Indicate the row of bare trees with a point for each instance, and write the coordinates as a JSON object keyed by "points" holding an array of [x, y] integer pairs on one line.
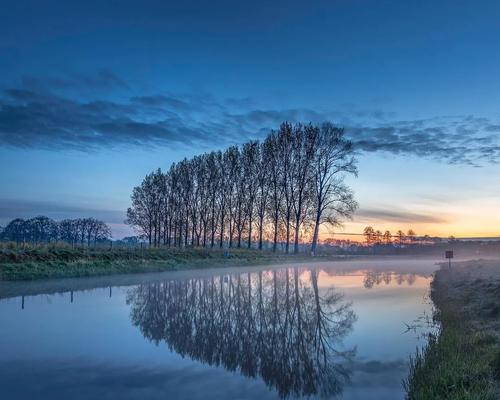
{"points": [[41, 229], [280, 190]]}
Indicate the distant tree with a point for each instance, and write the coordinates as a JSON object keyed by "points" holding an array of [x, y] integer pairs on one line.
{"points": [[411, 236], [43, 230], [131, 240], [378, 237], [387, 237], [101, 232], [16, 231], [401, 237], [369, 234], [67, 231]]}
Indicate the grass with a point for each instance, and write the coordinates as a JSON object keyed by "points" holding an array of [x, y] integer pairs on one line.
{"points": [[64, 262], [461, 363]]}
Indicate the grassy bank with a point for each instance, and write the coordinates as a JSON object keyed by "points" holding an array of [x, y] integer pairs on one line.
{"points": [[67, 262], [463, 361]]}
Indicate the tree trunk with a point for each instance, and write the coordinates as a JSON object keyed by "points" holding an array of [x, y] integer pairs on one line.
{"points": [[249, 245], [221, 240], [296, 241], [316, 232], [287, 243], [275, 242]]}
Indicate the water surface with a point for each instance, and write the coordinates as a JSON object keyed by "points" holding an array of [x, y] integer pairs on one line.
{"points": [[330, 330]]}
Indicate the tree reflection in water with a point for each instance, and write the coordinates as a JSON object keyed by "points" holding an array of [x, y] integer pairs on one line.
{"points": [[373, 278], [273, 324]]}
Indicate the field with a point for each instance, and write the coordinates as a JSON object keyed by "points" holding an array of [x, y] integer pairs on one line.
{"points": [[463, 360], [59, 261]]}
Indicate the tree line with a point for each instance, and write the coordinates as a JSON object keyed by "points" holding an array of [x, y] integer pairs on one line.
{"points": [[41, 229], [280, 190], [373, 236]]}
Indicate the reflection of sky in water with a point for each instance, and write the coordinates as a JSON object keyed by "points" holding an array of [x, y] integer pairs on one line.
{"points": [[90, 347]]}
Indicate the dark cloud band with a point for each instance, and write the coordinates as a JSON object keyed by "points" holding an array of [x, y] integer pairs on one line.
{"points": [[398, 216], [34, 117]]}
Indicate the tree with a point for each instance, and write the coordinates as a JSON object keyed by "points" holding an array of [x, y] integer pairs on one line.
{"points": [[284, 152], [15, 231], [401, 237], [275, 186], [144, 213], [369, 234], [263, 186], [387, 237], [44, 230], [101, 232], [250, 160], [411, 236], [332, 161], [303, 151]]}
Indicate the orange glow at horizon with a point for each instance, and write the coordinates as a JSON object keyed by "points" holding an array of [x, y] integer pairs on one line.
{"points": [[478, 218]]}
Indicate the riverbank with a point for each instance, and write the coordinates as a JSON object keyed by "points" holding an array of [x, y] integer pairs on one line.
{"points": [[65, 262], [463, 360]]}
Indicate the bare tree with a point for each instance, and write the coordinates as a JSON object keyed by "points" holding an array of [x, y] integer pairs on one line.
{"points": [[387, 237], [369, 234], [401, 237], [250, 160], [332, 161]]}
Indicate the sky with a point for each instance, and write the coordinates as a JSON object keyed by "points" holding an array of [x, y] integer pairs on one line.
{"points": [[96, 94]]}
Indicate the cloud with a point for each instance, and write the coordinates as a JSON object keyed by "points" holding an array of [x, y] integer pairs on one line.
{"points": [[100, 79], [401, 216], [456, 140], [34, 120], [40, 114], [160, 100]]}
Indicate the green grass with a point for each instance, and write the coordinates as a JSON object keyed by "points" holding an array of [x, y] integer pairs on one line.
{"points": [[461, 363], [63, 262]]}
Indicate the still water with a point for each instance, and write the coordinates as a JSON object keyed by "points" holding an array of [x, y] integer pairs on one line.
{"points": [[331, 330]]}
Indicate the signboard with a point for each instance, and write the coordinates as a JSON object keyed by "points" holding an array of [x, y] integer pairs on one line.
{"points": [[448, 254]]}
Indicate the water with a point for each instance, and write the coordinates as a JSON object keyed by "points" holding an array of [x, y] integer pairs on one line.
{"points": [[321, 330]]}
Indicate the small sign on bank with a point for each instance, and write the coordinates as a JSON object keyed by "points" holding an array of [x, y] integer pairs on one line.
{"points": [[448, 254]]}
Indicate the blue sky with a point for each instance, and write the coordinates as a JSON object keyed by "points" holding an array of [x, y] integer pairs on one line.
{"points": [[93, 95]]}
